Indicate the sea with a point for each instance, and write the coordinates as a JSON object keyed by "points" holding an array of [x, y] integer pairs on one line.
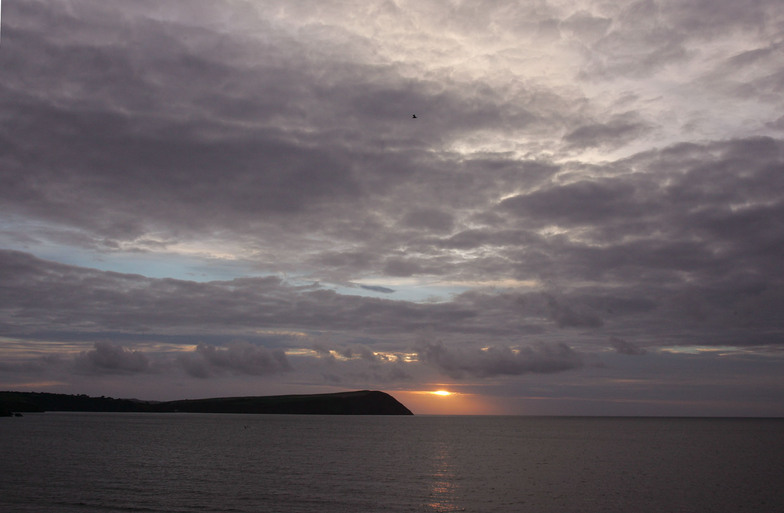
{"points": [[178, 462]]}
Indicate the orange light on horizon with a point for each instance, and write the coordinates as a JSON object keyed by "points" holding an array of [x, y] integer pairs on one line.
{"points": [[444, 402], [441, 392]]}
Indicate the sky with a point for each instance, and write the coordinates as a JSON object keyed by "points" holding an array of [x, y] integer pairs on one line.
{"points": [[211, 198]]}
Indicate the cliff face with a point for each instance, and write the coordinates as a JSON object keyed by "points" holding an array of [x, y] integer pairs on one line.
{"points": [[365, 402]]}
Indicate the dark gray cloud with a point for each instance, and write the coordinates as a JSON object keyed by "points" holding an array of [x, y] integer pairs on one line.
{"points": [[237, 357], [625, 347], [584, 202], [429, 219], [45, 295], [565, 315], [500, 360], [48, 299], [378, 288], [108, 358]]}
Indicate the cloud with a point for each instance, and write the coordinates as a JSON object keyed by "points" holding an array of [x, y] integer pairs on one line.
{"points": [[109, 358], [614, 133], [580, 203], [499, 360], [34, 366], [723, 298], [237, 358], [566, 316], [429, 219], [377, 288], [586, 27], [622, 346]]}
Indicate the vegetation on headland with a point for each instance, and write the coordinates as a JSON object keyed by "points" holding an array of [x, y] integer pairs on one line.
{"points": [[365, 402]]}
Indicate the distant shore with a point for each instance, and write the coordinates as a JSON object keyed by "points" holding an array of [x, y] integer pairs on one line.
{"points": [[363, 402]]}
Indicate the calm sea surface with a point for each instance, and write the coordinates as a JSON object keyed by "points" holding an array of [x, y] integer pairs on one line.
{"points": [[103, 462]]}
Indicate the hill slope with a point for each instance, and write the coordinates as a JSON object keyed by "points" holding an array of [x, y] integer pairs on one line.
{"points": [[365, 402]]}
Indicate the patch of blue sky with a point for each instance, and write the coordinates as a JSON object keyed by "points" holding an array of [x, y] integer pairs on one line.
{"points": [[151, 265], [415, 292]]}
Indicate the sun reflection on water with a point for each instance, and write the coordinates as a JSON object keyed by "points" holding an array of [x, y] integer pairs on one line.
{"points": [[442, 494]]}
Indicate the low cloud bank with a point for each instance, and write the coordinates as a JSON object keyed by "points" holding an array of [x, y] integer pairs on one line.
{"points": [[238, 357], [108, 358], [538, 358]]}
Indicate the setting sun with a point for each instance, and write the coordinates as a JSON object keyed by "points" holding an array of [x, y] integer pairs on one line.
{"points": [[445, 402]]}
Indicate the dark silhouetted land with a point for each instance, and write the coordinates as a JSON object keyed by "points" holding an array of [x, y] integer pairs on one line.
{"points": [[365, 402]]}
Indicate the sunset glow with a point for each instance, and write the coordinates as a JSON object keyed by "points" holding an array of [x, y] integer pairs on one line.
{"points": [[447, 402]]}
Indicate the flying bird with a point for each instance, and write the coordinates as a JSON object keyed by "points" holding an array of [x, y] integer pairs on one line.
{"points": [[413, 116]]}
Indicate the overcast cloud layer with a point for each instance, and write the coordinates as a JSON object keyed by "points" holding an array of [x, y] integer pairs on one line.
{"points": [[204, 198]]}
